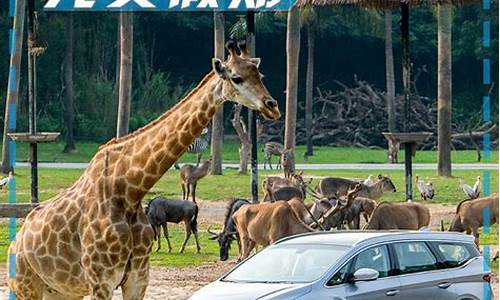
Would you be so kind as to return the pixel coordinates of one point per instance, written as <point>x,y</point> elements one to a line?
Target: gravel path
<point>180,283</point>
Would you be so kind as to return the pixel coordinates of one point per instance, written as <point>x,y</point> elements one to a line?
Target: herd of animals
<point>337,203</point>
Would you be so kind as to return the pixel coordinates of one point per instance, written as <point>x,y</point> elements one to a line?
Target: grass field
<point>52,152</point>
<point>227,186</point>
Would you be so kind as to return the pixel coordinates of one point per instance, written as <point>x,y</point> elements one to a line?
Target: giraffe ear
<point>219,68</point>
<point>255,61</point>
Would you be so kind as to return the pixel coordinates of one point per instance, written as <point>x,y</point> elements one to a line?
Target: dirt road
<point>180,283</point>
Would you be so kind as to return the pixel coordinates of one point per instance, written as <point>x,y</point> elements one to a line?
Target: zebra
<point>199,146</point>
<point>270,149</point>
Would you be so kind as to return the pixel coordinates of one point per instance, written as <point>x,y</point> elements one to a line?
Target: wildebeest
<point>470,215</point>
<point>332,186</point>
<point>228,233</point>
<point>265,223</point>
<point>287,193</point>
<point>405,215</point>
<point>190,174</point>
<point>161,211</point>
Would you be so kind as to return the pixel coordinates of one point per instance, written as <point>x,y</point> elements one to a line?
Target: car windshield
<point>291,263</point>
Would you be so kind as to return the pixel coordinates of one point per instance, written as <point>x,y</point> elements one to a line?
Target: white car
<point>359,265</point>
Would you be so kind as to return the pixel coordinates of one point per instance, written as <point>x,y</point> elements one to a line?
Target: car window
<point>288,263</point>
<point>454,254</point>
<point>414,257</point>
<point>339,277</point>
<point>376,258</point>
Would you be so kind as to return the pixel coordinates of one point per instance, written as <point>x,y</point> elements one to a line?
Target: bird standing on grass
<point>471,192</point>
<point>369,181</point>
<point>426,189</point>
<point>5,181</point>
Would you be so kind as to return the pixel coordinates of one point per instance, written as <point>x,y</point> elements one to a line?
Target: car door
<point>419,273</point>
<point>340,286</point>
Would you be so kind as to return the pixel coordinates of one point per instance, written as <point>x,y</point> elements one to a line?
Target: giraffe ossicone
<point>94,237</point>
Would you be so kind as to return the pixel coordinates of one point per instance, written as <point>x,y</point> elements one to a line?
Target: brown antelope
<point>331,186</point>
<point>273,183</point>
<point>405,215</point>
<point>287,161</point>
<point>470,215</point>
<point>190,174</point>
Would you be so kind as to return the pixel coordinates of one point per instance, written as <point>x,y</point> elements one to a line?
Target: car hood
<point>245,291</point>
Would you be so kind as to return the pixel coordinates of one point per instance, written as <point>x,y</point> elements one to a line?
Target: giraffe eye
<point>237,80</point>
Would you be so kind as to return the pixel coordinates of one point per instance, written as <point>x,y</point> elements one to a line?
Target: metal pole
<point>32,100</point>
<point>408,171</point>
<point>406,87</point>
<point>252,118</point>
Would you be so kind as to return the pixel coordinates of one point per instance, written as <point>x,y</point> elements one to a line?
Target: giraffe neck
<point>136,162</point>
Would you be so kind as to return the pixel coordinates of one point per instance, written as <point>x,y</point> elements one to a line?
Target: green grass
<point>231,184</point>
<point>52,152</point>
<point>227,186</point>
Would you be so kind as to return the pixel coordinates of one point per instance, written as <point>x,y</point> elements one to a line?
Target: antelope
<point>331,186</point>
<point>190,174</point>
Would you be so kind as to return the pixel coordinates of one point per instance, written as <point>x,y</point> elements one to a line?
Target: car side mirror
<point>365,274</point>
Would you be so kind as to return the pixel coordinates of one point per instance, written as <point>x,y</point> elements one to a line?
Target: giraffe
<point>94,237</point>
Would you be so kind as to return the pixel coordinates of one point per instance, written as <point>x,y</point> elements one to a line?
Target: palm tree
<point>309,16</point>
<point>125,80</point>
<point>389,71</point>
<point>292,70</point>
<point>218,119</point>
<point>68,84</point>
<point>13,84</point>
<point>444,12</point>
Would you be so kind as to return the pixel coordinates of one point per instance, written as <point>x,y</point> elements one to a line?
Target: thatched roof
<point>381,4</point>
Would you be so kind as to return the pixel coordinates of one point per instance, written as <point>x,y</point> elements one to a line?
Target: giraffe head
<point>242,81</point>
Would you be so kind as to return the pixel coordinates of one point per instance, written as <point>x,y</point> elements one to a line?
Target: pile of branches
<point>357,116</point>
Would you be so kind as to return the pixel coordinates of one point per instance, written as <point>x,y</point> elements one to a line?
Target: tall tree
<point>389,72</point>
<point>69,94</point>
<point>444,12</point>
<point>311,35</point>
<point>125,84</point>
<point>218,119</point>
<point>292,70</point>
<point>13,84</point>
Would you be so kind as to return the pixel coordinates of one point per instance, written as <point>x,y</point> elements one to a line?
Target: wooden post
<point>125,82</point>
<point>13,84</point>
<point>216,147</point>
<point>292,73</point>
<point>444,89</point>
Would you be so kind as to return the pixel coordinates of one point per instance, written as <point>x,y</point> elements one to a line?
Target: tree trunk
<point>444,89</point>
<point>68,82</point>
<point>311,35</point>
<point>13,83</point>
<point>218,119</point>
<point>292,70</point>
<point>389,73</point>
<point>125,85</point>
<point>245,144</point>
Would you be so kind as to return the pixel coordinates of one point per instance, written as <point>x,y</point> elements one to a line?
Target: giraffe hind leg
<point>27,285</point>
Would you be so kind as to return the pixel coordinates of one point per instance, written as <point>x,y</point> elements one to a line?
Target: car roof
<point>361,237</point>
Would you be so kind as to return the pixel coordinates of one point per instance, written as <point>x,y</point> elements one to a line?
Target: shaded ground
<point>167,283</point>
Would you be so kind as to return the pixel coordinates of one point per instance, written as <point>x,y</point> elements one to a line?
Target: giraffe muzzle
<point>270,110</point>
